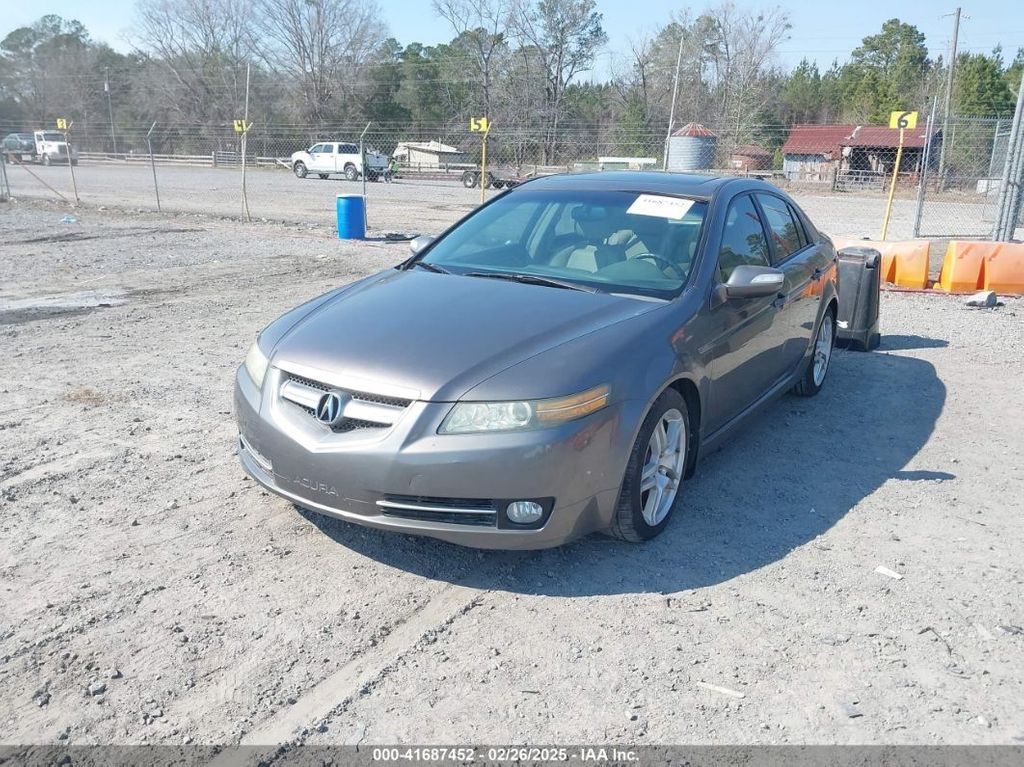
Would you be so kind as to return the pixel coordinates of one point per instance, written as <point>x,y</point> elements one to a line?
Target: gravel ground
<point>150,593</point>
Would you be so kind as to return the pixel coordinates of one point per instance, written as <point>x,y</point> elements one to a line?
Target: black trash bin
<point>860,284</point>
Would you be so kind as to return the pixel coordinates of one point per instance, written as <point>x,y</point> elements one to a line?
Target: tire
<point>814,376</point>
<point>351,173</point>
<point>322,175</point>
<point>633,519</point>
<point>491,181</point>
<point>299,169</point>
<point>469,179</point>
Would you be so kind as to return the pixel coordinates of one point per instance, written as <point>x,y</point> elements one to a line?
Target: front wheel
<point>655,470</point>
<point>47,160</point>
<point>824,343</point>
<point>299,169</point>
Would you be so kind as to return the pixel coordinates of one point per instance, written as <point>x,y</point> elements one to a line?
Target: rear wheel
<point>351,173</point>
<point>654,472</point>
<point>469,179</point>
<point>299,169</point>
<point>824,343</point>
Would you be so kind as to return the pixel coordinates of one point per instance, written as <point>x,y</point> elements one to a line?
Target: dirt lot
<point>150,593</point>
<point>415,205</point>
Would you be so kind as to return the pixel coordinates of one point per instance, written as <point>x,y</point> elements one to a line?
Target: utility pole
<point>110,106</point>
<point>951,67</point>
<point>672,110</point>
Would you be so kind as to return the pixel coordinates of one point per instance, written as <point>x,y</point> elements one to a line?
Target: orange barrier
<point>904,263</point>
<point>971,266</point>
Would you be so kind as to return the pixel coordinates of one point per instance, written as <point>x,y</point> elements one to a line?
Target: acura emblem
<point>328,409</point>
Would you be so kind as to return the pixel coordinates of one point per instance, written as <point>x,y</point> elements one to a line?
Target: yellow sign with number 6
<point>907,120</point>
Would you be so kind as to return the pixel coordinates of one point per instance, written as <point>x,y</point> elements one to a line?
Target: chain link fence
<point>959,189</point>
<point>945,188</point>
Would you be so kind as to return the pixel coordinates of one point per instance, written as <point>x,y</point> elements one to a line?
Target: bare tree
<point>564,36</point>
<point>204,45</point>
<point>324,44</point>
<point>481,29</point>
<point>742,47</point>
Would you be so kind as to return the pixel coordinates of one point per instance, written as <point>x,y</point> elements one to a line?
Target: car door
<point>317,162</point>
<point>745,340</point>
<point>348,153</point>
<point>796,257</point>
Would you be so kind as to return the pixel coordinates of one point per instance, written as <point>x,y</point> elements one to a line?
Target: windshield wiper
<point>533,279</point>
<point>429,267</point>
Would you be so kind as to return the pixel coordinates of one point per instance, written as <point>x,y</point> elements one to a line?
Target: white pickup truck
<point>332,157</point>
<point>52,147</point>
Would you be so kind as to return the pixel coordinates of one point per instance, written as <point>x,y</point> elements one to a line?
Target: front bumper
<point>574,470</point>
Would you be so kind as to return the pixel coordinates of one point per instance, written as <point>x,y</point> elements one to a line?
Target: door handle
<point>817,274</point>
<point>779,302</point>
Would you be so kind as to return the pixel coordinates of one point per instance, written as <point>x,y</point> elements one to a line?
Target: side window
<point>801,228</point>
<point>316,149</point>
<point>743,238</point>
<point>787,234</point>
<point>347,149</point>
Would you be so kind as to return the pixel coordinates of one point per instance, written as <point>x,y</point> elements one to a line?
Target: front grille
<point>375,411</point>
<point>359,395</point>
<point>454,511</point>
<point>457,518</point>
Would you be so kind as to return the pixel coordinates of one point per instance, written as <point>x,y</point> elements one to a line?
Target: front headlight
<point>256,363</point>
<point>467,417</point>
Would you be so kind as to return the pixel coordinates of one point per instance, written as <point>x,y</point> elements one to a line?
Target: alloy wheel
<point>823,350</point>
<point>663,467</point>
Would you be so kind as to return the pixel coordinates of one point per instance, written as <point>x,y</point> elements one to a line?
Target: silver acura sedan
<point>549,366</point>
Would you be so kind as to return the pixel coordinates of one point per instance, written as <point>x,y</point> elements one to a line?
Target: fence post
<point>152,164</point>
<point>924,168</point>
<point>71,162</point>
<point>5,187</point>
<point>1008,207</point>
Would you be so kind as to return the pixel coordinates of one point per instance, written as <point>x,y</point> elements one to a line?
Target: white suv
<point>330,157</point>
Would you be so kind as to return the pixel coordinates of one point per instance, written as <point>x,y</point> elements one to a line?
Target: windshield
<point>53,136</point>
<point>619,242</point>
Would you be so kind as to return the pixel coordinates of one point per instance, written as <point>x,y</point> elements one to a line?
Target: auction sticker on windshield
<point>660,206</point>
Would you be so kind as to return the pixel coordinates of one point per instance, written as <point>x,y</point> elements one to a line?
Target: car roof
<point>684,184</point>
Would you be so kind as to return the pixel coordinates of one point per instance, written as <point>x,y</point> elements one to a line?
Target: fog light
<point>524,512</point>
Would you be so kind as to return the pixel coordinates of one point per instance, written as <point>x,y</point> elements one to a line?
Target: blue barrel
<point>351,217</point>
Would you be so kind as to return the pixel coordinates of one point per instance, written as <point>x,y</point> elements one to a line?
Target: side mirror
<point>754,282</point>
<point>417,244</point>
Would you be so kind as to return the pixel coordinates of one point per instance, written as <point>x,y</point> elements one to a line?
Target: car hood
<point>435,336</point>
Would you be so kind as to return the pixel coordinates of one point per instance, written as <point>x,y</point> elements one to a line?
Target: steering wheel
<point>664,262</point>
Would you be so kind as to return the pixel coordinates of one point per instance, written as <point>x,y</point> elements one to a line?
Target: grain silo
<point>691,148</point>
